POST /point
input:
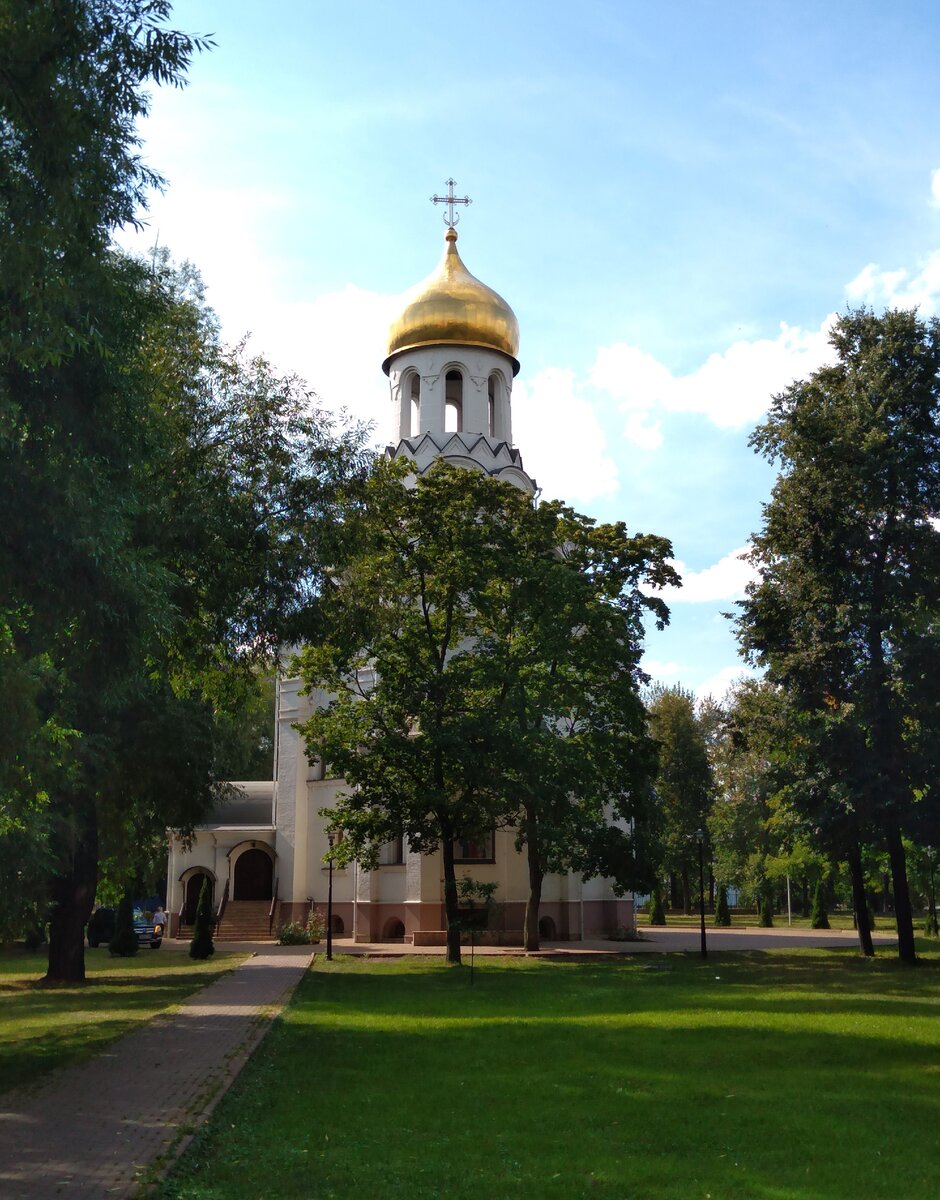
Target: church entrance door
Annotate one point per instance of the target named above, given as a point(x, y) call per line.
point(254, 873)
point(193, 888)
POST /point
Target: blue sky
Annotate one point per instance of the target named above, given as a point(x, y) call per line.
point(674, 198)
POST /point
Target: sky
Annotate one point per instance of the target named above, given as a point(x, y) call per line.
point(676, 200)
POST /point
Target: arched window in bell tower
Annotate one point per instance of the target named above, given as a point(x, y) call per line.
point(491, 393)
point(414, 394)
point(453, 402)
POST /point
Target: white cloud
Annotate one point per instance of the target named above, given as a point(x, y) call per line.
point(724, 580)
point(561, 437)
point(900, 288)
point(664, 672)
point(717, 685)
point(935, 187)
point(731, 388)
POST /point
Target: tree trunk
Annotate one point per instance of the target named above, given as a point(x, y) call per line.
point(531, 931)
point(73, 898)
point(860, 900)
point(903, 916)
point(686, 892)
point(451, 905)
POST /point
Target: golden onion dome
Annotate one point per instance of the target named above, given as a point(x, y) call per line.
point(451, 307)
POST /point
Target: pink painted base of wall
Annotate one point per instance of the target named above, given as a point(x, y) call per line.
point(560, 921)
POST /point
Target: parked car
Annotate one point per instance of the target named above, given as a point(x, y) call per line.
point(101, 926)
point(148, 934)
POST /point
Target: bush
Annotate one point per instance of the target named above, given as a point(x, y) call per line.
point(931, 925)
point(766, 919)
point(818, 917)
point(202, 945)
point(722, 912)
point(657, 913)
point(316, 925)
point(124, 943)
point(622, 933)
point(294, 933)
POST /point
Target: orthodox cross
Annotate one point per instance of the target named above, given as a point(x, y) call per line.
point(450, 217)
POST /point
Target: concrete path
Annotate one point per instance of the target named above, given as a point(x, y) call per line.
point(93, 1130)
point(661, 940)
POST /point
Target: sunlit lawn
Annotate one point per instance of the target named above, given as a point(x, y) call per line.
point(42, 1028)
point(806, 1075)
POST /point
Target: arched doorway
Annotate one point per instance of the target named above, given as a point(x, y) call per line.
point(394, 931)
point(547, 929)
point(338, 927)
point(193, 888)
point(254, 876)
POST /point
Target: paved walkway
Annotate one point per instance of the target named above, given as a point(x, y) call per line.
point(661, 940)
point(91, 1131)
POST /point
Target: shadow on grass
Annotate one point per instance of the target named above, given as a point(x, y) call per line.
point(603, 1080)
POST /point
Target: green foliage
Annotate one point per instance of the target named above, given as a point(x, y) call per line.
point(460, 698)
point(819, 916)
point(657, 912)
point(765, 917)
point(844, 613)
point(722, 911)
point(202, 945)
point(124, 943)
point(684, 782)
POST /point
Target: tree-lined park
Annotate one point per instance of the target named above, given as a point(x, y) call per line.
point(175, 511)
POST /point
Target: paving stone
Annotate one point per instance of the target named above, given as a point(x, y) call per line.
point(95, 1129)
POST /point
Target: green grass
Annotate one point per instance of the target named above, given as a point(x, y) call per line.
point(46, 1027)
point(784, 1075)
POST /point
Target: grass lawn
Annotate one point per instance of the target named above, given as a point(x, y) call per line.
point(42, 1028)
point(783, 1075)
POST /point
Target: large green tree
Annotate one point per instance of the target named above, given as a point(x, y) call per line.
point(478, 667)
point(566, 633)
point(684, 784)
point(844, 614)
point(163, 499)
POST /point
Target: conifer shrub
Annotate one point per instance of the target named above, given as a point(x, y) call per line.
point(657, 912)
point(722, 911)
point(818, 917)
point(124, 943)
point(202, 945)
point(766, 918)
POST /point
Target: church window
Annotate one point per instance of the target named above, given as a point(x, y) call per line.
point(414, 393)
point(479, 848)
point(453, 402)
point(491, 405)
point(392, 854)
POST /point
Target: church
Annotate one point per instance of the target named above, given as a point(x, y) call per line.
point(451, 361)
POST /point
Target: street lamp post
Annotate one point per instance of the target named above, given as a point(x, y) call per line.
point(701, 889)
point(329, 903)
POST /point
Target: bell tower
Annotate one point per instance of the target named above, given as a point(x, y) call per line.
point(451, 362)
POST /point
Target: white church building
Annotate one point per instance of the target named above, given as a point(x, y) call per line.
point(452, 358)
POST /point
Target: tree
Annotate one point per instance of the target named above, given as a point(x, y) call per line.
point(578, 761)
point(657, 915)
point(202, 945)
point(818, 917)
point(478, 668)
point(843, 615)
point(722, 912)
point(684, 784)
point(73, 79)
point(124, 943)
